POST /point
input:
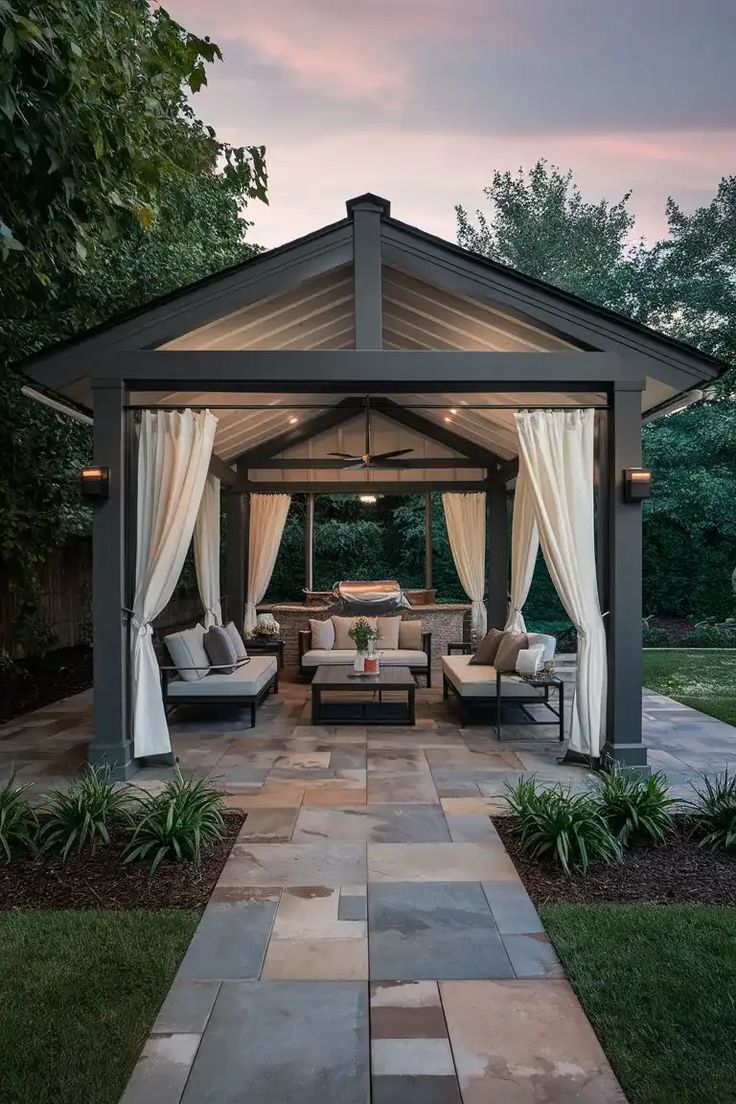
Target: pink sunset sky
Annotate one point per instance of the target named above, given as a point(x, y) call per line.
point(419, 100)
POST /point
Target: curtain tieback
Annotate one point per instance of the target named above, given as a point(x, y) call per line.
point(142, 628)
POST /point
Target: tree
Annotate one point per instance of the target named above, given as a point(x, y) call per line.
point(540, 224)
point(111, 192)
point(684, 286)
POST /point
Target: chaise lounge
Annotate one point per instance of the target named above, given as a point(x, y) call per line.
point(194, 680)
point(476, 685)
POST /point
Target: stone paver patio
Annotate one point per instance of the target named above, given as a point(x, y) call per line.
point(369, 938)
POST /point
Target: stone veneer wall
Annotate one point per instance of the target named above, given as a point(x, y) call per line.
point(445, 622)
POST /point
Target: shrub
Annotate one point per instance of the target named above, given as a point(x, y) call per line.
point(556, 824)
point(181, 820)
point(18, 823)
point(714, 811)
point(635, 807)
point(657, 636)
point(709, 636)
point(83, 813)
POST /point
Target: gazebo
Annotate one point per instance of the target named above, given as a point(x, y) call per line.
point(496, 383)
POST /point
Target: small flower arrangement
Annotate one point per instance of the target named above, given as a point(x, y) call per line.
point(362, 633)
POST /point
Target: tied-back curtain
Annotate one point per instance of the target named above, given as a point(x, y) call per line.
point(557, 451)
point(267, 520)
point(174, 451)
point(524, 549)
point(465, 515)
point(207, 551)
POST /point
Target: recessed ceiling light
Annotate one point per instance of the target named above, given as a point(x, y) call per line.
point(447, 419)
point(453, 410)
point(293, 419)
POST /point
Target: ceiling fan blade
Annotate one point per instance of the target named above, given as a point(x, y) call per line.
point(344, 455)
point(392, 453)
point(355, 463)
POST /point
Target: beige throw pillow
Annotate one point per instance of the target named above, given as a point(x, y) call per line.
point(388, 632)
point(410, 635)
point(342, 626)
point(508, 651)
point(323, 634)
point(485, 653)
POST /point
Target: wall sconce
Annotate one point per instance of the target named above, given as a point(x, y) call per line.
point(637, 484)
point(95, 482)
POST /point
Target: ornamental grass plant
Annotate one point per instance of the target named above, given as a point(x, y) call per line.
point(714, 811)
point(557, 825)
point(84, 813)
point(178, 823)
point(634, 807)
point(18, 821)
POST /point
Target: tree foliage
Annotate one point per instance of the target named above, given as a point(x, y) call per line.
point(112, 192)
point(684, 286)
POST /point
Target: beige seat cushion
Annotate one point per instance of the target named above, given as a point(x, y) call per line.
point(388, 632)
point(343, 626)
point(410, 634)
point(474, 681)
point(244, 682)
point(391, 657)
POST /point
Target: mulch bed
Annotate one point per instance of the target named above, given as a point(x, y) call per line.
point(100, 880)
point(33, 683)
point(678, 873)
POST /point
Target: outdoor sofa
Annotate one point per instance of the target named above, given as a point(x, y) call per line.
point(414, 650)
point(192, 680)
point(474, 685)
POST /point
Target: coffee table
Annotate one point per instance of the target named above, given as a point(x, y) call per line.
point(374, 710)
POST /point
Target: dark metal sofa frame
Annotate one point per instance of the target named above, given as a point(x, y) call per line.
point(305, 645)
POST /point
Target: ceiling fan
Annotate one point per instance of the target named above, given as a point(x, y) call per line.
point(368, 459)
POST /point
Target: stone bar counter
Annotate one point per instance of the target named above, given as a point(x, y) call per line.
point(444, 621)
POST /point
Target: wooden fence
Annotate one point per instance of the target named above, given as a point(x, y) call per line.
point(66, 581)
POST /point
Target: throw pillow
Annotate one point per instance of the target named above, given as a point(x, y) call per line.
point(342, 626)
point(410, 635)
point(237, 641)
point(220, 649)
point(508, 651)
point(187, 653)
point(485, 653)
point(323, 634)
point(388, 632)
point(529, 660)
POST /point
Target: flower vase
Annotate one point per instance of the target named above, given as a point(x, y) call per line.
point(359, 663)
point(371, 661)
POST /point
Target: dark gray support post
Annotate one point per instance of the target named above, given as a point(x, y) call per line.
point(428, 541)
point(235, 556)
point(366, 213)
point(624, 723)
point(111, 743)
point(497, 553)
point(309, 544)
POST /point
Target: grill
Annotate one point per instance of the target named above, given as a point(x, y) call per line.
point(370, 598)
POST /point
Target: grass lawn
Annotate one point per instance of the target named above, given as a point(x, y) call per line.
point(78, 994)
point(703, 680)
point(658, 983)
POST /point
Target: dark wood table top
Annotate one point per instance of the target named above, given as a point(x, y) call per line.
point(343, 677)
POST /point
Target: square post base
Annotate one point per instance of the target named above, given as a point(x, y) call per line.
point(629, 757)
point(119, 758)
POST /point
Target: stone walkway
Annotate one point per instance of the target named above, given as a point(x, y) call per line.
point(369, 938)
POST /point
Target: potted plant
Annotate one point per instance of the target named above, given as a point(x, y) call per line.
point(362, 633)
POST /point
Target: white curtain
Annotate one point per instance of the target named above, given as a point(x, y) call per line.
point(557, 450)
point(174, 451)
point(267, 520)
point(524, 549)
point(207, 551)
point(465, 515)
